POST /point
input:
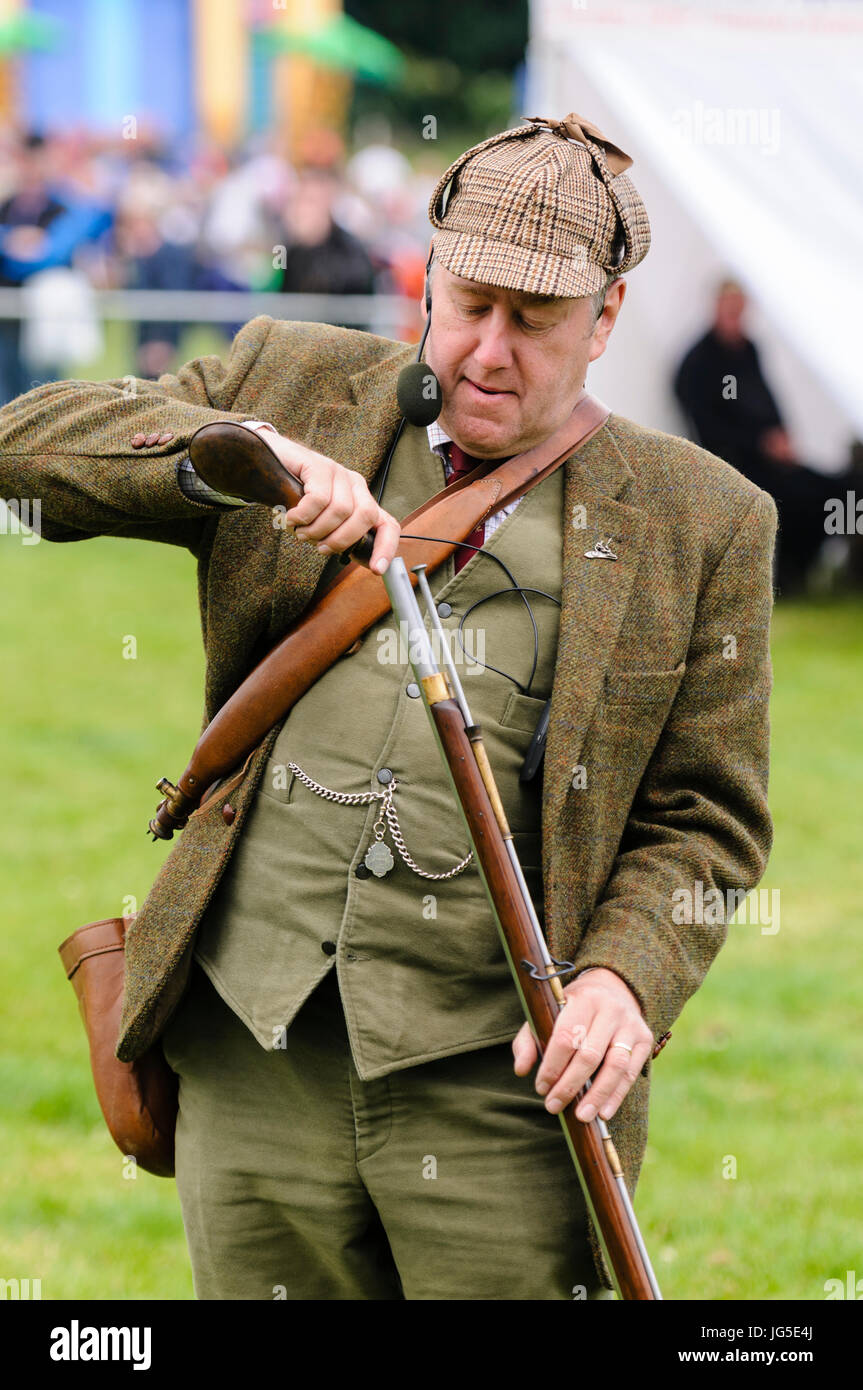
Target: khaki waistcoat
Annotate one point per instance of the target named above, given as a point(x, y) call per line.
point(421, 971)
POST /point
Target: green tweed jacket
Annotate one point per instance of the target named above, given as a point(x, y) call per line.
point(656, 762)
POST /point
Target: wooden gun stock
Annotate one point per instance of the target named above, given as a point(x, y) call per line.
point(240, 463)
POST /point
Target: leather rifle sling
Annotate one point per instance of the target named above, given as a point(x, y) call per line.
point(357, 598)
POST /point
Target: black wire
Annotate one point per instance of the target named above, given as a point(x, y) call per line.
point(522, 590)
point(516, 588)
point(398, 434)
point(389, 459)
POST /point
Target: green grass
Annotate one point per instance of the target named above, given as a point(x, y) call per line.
point(763, 1068)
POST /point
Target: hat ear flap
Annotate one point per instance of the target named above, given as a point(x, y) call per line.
point(630, 210)
point(445, 196)
point(633, 219)
point(448, 182)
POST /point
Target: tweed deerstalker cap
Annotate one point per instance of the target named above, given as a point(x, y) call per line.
point(538, 208)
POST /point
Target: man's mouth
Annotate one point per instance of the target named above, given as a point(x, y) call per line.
point(487, 390)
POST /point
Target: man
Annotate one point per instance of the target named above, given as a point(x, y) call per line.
point(356, 1120)
point(743, 425)
point(321, 257)
point(40, 229)
point(25, 217)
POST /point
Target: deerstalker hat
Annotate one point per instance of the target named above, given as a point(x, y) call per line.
point(539, 208)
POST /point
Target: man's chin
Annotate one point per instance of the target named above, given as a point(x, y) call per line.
point(480, 437)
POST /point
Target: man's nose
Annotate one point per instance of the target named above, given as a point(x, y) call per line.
point(494, 349)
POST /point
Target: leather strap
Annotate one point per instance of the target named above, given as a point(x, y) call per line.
point(355, 599)
point(524, 471)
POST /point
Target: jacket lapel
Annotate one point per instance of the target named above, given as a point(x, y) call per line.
point(594, 596)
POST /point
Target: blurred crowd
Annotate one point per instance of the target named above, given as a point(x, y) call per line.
point(79, 211)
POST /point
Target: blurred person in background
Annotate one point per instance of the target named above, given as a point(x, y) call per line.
point(41, 227)
point(25, 217)
point(149, 260)
point(158, 244)
point(396, 202)
point(321, 256)
point(729, 406)
point(242, 214)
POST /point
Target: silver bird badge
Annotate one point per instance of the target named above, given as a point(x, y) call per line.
point(601, 551)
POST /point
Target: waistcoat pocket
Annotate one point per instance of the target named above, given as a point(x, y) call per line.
point(277, 782)
point(521, 712)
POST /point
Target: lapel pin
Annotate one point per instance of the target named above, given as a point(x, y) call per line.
point(601, 551)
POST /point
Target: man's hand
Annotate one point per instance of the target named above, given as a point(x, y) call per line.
point(336, 508)
point(600, 1011)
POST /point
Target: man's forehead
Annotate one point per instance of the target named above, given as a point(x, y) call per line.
point(479, 288)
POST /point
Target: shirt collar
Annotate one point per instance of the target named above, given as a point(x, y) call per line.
point(438, 438)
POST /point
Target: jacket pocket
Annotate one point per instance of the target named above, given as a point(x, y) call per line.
point(637, 687)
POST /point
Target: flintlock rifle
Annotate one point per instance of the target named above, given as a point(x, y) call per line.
point(536, 973)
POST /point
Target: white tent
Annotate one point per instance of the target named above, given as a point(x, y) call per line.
point(745, 124)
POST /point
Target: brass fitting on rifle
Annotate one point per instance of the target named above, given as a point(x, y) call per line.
point(172, 813)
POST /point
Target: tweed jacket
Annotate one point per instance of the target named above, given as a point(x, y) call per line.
point(657, 752)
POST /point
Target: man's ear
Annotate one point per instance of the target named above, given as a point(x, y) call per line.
point(614, 298)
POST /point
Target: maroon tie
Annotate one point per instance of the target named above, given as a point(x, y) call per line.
point(463, 463)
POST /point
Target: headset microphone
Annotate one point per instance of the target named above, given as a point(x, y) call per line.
point(418, 393)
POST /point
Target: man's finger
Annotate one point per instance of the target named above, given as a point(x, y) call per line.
point(332, 525)
point(387, 535)
point(584, 1063)
point(317, 491)
point(523, 1050)
point(618, 1073)
point(572, 1027)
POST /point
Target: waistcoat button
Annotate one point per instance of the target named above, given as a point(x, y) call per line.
point(444, 609)
point(228, 814)
point(329, 948)
point(385, 775)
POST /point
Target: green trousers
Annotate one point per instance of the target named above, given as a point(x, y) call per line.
point(297, 1180)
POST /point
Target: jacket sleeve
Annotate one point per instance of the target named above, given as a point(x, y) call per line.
point(699, 829)
point(68, 446)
